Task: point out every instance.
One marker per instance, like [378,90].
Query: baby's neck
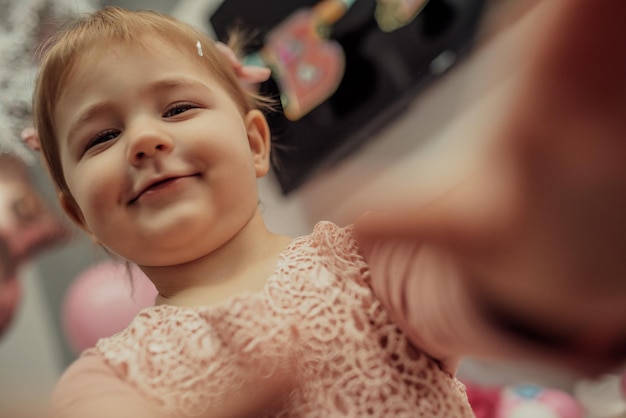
[242,265]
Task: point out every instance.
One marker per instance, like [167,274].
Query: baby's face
[155,153]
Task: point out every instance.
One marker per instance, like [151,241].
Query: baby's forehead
[107,52]
[90,49]
[181,55]
[156,44]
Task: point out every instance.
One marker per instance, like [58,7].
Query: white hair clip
[199,47]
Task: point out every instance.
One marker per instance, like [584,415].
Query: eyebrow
[90,113]
[166,84]
[172,83]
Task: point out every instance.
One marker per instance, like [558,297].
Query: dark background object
[384,71]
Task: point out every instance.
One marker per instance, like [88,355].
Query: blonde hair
[62,51]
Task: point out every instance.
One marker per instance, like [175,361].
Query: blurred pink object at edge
[102,301]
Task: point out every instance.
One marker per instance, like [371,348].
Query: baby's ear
[259,139]
[72,210]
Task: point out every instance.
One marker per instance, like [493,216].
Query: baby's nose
[148,144]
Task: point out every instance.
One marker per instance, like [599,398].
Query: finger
[573,82]
[474,213]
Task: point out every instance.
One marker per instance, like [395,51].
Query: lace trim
[318,308]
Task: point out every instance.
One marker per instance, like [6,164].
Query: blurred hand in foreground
[538,233]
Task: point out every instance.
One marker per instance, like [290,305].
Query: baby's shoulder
[328,245]
[323,270]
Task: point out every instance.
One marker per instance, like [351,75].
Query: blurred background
[431,88]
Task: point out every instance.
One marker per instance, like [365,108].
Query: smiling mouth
[159,185]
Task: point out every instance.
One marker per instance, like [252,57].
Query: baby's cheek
[98,198]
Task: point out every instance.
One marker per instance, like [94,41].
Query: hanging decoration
[27,226]
[343,69]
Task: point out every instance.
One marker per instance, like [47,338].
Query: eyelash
[185,106]
[102,136]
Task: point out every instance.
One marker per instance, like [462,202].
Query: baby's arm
[90,388]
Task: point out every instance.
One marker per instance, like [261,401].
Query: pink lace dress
[318,308]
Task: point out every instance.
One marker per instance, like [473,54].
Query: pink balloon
[102,301]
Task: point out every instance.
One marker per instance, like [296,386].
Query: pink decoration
[522,401]
[102,301]
[536,402]
[27,227]
[483,400]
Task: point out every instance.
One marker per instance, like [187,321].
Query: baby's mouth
[158,184]
[151,186]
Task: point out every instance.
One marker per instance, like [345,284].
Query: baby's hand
[540,230]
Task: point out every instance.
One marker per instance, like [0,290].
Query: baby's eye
[178,108]
[101,138]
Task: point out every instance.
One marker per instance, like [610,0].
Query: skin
[160,115]
[199,236]
[537,232]
[193,235]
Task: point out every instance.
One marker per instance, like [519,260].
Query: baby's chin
[10,294]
